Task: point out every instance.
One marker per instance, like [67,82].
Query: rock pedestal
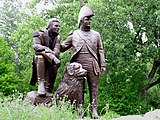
[152,115]
[35,99]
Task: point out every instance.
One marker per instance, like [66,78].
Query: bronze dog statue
[71,83]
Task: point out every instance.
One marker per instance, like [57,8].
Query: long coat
[42,42]
[76,40]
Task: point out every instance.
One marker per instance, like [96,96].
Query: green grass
[15,107]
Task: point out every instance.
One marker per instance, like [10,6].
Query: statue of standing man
[46,60]
[88,51]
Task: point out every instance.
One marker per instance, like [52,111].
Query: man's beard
[52,33]
[85,28]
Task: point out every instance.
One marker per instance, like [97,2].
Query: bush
[8,80]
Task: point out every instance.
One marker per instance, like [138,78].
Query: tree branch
[144,90]
[156,64]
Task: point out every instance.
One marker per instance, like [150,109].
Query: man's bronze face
[55,27]
[87,21]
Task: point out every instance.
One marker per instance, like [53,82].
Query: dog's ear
[70,69]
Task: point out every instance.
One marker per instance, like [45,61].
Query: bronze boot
[93,106]
[50,79]
[93,112]
[41,75]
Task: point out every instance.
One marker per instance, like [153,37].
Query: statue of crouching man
[46,60]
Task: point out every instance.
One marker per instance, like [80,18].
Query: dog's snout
[82,72]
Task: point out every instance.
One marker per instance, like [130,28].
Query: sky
[39,7]
[24,1]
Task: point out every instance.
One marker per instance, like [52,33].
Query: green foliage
[9,17]
[128,58]
[33,3]
[153,97]
[108,114]
[8,79]
[16,107]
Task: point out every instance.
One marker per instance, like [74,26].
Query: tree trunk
[156,64]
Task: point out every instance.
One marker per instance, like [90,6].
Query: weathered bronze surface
[34,98]
[46,60]
[88,51]
[71,83]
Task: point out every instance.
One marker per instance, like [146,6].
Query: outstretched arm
[66,44]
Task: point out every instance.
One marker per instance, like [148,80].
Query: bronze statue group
[87,60]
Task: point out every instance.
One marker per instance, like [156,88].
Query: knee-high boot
[93,106]
[51,76]
[41,75]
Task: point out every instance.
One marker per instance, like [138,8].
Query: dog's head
[75,69]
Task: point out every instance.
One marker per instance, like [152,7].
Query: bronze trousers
[86,61]
[50,73]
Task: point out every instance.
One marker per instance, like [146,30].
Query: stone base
[35,99]
[152,115]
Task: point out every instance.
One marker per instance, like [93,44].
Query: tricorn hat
[84,12]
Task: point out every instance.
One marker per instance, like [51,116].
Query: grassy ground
[15,107]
